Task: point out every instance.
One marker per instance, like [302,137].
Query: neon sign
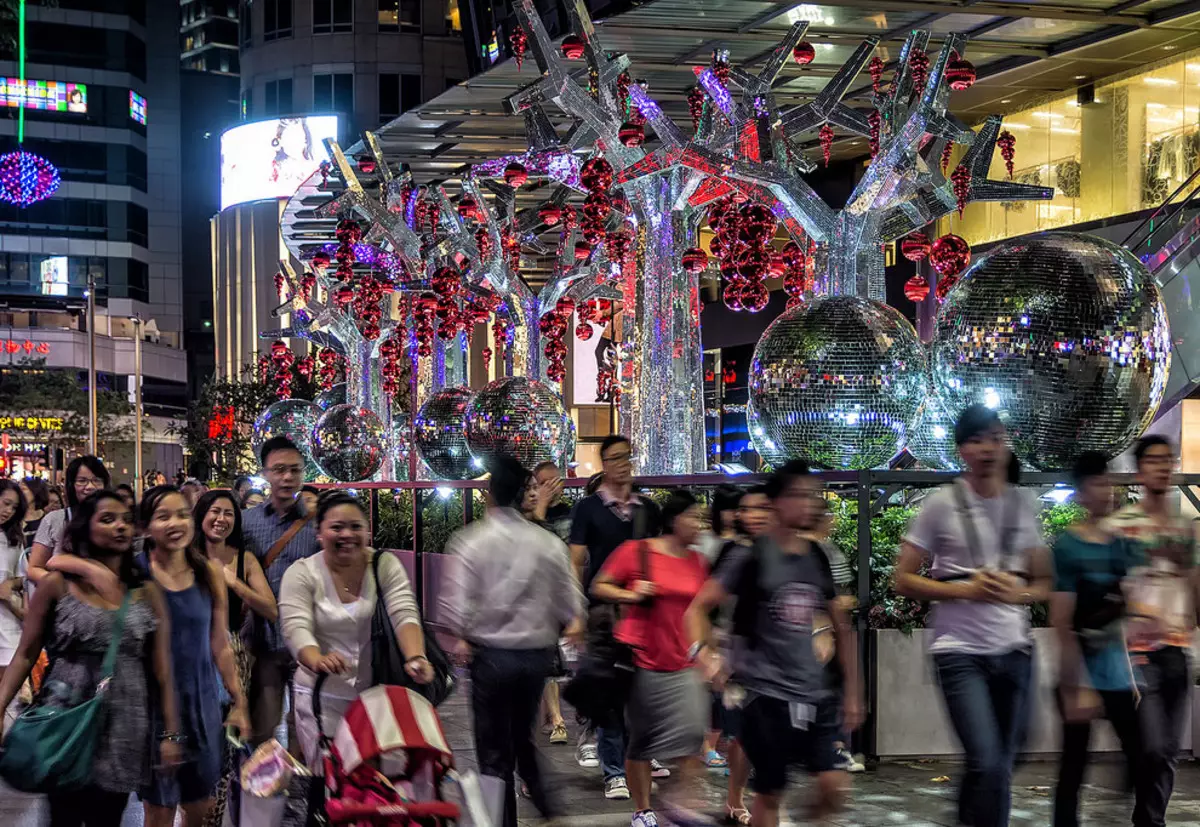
[47,95]
[31,423]
[13,346]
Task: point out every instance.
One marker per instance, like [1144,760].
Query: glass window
[410,92]
[244,24]
[333,16]
[389,97]
[399,15]
[278,100]
[453,17]
[277,19]
[334,93]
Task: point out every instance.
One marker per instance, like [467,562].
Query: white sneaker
[615,789]
[646,818]
[847,762]
[658,769]
[587,756]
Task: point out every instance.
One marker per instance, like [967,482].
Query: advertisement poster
[271,159]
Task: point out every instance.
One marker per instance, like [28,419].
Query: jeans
[506,691]
[610,744]
[987,699]
[1120,709]
[1163,680]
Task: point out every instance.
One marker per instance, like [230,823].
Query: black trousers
[89,807]
[1161,714]
[506,691]
[1120,709]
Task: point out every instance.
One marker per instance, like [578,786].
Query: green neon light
[21,68]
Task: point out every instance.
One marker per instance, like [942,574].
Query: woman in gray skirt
[657,579]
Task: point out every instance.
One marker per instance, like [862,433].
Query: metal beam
[919,23]
[706,46]
[989,27]
[1000,8]
[1174,12]
[766,17]
[1088,39]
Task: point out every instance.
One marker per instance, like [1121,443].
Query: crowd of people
[684,639]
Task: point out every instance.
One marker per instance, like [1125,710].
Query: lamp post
[93,418]
[137,410]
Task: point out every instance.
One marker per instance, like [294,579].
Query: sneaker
[847,763]
[587,756]
[658,769]
[646,818]
[558,735]
[615,789]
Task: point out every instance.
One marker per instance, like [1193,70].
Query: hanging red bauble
[468,208]
[916,288]
[597,205]
[918,65]
[960,73]
[632,134]
[1008,149]
[947,151]
[755,296]
[596,174]
[777,266]
[960,180]
[620,203]
[694,260]
[572,47]
[732,296]
[486,353]
[319,262]
[515,175]
[582,250]
[695,100]
[825,136]
[583,332]
[876,69]
[804,53]
[874,120]
[279,349]
[618,245]
[944,286]
[519,41]
[280,285]
[550,214]
[915,246]
[592,230]
[308,284]
[342,297]
[722,70]
[366,164]
[753,264]
[950,255]
[717,246]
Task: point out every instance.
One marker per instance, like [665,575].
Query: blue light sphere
[26,178]
[440,435]
[523,419]
[349,443]
[334,396]
[1065,335]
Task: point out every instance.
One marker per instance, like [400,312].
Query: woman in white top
[325,606]
[12,515]
[85,476]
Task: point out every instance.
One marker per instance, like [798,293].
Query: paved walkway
[912,794]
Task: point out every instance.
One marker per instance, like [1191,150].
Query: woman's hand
[642,589]
[331,664]
[239,720]
[170,755]
[419,669]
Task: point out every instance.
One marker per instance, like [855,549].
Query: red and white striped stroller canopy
[384,719]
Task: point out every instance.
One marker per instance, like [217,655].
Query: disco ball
[349,443]
[291,418]
[440,435]
[931,438]
[523,419]
[334,396]
[1065,335]
[837,383]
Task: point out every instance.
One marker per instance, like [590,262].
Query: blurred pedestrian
[54,498]
[988,565]
[254,498]
[656,580]
[1161,590]
[12,543]
[37,499]
[1087,611]
[309,494]
[85,476]
[192,490]
[512,597]
[723,536]
[242,485]
[126,493]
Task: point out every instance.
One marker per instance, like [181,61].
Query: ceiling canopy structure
[1022,51]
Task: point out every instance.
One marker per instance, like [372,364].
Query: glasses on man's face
[617,459]
[1161,459]
[286,470]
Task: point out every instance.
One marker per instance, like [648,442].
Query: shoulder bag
[50,749]
[387,661]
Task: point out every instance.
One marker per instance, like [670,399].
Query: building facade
[102,104]
[208,36]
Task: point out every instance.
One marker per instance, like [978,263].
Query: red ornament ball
[596,174]
[804,53]
[582,250]
[916,289]
[755,296]
[584,332]
[960,73]
[620,203]
[732,296]
[950,255]
[515,175]
[366,164]
[550,214]
[572,47]
[694,260]
[468,208]
[915,246]
[632,134]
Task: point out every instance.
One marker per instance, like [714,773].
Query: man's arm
[909,583]
[846,644]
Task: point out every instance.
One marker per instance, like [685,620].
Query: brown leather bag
[284,539]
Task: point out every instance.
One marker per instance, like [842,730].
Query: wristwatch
[694,651]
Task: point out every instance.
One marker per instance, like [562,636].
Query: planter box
[910,718]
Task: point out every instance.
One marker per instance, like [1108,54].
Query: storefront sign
[28,346]
[31,423]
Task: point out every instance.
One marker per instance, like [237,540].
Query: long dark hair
[150,503]
[39,491]
[203,504]
[11,528]
[94,465]
[79,537]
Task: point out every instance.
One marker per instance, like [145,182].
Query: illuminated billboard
[271,159]
[137,107]
[50,95]
[54,276]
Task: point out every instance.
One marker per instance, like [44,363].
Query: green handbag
[49,749]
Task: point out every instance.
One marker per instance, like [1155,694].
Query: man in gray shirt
[987,565]
[510,598]
[795,702]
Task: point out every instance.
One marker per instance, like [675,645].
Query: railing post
[418,550]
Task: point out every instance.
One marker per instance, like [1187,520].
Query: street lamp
[93,418]
[137,389]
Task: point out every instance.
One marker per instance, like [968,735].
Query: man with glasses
[1160,596]
[278,532]
[601,522]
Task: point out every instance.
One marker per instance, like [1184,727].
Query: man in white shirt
[512,596]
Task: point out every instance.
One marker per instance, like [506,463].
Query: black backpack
[750,592]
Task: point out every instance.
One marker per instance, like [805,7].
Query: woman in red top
[658,578]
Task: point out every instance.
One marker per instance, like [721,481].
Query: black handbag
[387,661]
[1099,605]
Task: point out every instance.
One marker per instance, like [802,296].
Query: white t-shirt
[10,626]
[940,529]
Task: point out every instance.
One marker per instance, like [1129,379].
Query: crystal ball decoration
[291,418]
[349,443]
[1065,335]
[440,435]
[521,418]
[334,396]
[837,383]
[931,438]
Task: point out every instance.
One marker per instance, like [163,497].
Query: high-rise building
[102,103]
[208,31]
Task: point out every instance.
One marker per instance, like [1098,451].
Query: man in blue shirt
[1087,611]
[278,532]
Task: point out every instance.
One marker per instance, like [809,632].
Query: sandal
[715,760]
[739,816]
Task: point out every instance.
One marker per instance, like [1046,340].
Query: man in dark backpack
[785,594]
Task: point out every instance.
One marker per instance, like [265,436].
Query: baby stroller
[389,764]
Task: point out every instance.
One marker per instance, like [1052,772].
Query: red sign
[221,425]
[28,346]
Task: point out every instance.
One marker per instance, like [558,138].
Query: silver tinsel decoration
[334,396]
[931,438]
[523,419]
[349,443]
[1065,335]
[440,435]
[291,418]
[400,446]
[837,383]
